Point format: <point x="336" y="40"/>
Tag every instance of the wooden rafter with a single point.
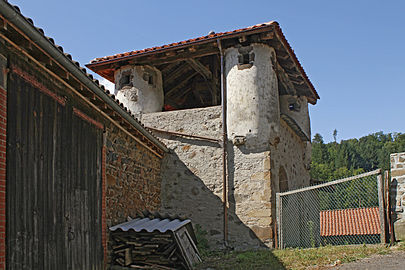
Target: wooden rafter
<point x="200" y="68"/>
<point x="284" y="80"/>
<point x="179" y="56"/>
<point x="168" y="67"/>
<point x="181" y="84"/>
<point x="176" y="73"/>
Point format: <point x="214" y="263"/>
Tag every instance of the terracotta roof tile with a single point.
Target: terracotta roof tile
<point x="263" y="27"/>
<point x="184" y="42"/>
<point x="359" y="221"/>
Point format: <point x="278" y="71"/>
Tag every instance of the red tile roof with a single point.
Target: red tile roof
<point x="359" y="221"/>
<point x="198" y="40"/>
<point x="258" y="28"/>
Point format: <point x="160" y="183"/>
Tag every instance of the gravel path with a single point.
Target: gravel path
<point x="392" y="261"/>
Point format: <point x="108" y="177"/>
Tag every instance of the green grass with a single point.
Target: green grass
<point x="292" y="258"/>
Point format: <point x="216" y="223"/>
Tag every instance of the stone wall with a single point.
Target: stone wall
<point x="299" y="112"/>
<point x="192" y="176"/>
<point x="398" y="193"/>
<point x="294" y="156"/>
<point x="192" y="171"/>
<point x="132" y="177"/>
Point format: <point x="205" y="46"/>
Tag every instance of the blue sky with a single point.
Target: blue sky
<point x="352" y="51"/>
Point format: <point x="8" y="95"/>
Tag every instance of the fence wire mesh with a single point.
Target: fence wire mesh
<point x="340" y="212"/>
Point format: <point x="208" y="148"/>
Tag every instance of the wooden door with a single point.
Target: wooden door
<point x="53" y="183"/>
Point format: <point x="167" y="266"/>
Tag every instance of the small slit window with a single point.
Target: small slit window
<point x="125" y="80"/>
<point x="149" y="78"/>
<point x="246" y="57"/>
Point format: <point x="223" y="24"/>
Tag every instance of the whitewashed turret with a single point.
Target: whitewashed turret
<point x="140" y="88"/>
<point x="252" y="95"/>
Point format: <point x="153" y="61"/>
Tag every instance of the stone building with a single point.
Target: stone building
<point x="233" y="109"/>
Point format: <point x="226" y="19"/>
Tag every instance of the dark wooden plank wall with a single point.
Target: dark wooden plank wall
<point x="53" y="183"/>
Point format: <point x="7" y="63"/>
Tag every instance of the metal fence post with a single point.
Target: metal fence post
<point x="278" y="221"/>
<point x="381" y="207"/>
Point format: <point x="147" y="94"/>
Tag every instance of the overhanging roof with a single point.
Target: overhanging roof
<point x="267" y="32"/>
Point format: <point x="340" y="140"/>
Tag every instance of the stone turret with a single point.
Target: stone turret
<point x="252" y="95"/>
<point x="140" y="88"/>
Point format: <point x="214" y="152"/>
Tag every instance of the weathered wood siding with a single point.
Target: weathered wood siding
<point x="53" y="182"/>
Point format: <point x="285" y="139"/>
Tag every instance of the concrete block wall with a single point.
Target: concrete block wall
<point x="3" y="134"/>
<point x="398" y="193"/>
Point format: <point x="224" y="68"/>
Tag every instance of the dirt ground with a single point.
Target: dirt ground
<point x="392" y="261"/>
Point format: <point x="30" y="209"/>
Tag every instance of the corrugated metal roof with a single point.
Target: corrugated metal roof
<point x="359" y="221"/>
<point x="84" y="71"/>
<point x="151" y="225"/>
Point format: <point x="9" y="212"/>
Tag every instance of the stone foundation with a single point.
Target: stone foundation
<point x="398" y="193"/>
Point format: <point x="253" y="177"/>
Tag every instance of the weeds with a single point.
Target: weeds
<point x="291" y="258"/>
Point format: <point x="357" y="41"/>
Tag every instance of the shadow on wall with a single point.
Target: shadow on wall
<point x="185" y="193"/>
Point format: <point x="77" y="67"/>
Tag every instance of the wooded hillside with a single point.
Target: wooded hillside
<point x="338" y="160"/>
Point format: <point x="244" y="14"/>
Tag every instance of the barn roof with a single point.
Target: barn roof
<point x="20" y="32"/>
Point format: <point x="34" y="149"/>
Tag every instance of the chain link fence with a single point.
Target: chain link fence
<point x="345" y="211"/>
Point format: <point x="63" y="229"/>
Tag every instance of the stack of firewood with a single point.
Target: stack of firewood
<point x="144" y="250"/>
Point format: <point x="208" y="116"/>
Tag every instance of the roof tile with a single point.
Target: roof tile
<point x="358" y="221"/>
<point x="203" y="39"/>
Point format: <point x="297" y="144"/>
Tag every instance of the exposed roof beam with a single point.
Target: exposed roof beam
<point x="176" y="73"/>
<point x="285" y="80"/>
<point x="181" y="84"/>
<point x="165" y="59"/>
<point x="200" y="68"/>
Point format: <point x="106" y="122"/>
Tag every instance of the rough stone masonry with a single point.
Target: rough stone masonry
<point x="265" y="152"/>
<point x="398" y="193"/>
<point x="192" y="176"/>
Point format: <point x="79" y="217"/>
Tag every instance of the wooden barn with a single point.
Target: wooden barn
<point x="73" y="161"/>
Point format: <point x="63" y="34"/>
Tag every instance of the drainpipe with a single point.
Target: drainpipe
<point x="224" y="143"/>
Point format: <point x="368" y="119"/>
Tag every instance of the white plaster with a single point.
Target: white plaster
<point x="252" y="97"/>
<point x="141" y="97"/>
<point x="301" y="117"/>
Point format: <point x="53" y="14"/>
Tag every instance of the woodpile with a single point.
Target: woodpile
<point x="144" y="250"/>
<point x="153" y="241"/>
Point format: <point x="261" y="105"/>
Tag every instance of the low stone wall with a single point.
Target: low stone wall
<point x="398" y="193"/>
